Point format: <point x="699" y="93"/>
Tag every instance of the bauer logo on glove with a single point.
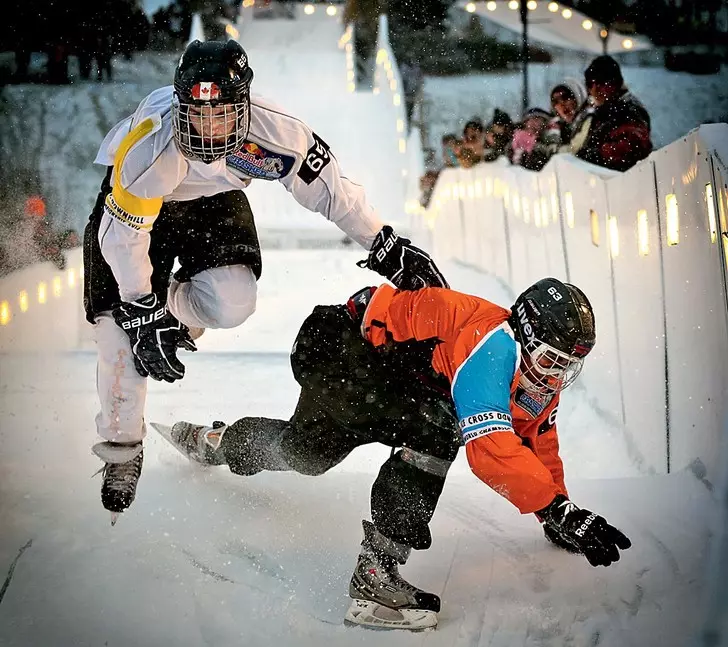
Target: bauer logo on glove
<point x="144" y="319"/>
<point x="154" y="336"/>
<point x="405" y="265"/>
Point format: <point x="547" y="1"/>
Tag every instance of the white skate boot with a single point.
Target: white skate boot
<point x="381" y="597"/>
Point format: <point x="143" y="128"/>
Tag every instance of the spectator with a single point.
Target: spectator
<point x="498" y="134"/>
<point x="567" y="100"/>
<point x="617" y="134"/>
<point x="451" y="147"/>
<point x="427" y="186"/>
<point x="528" y="148"/>
<point x="473" y="147"/>
<point x="30" y="238"/>
<point x="468" y="157"/>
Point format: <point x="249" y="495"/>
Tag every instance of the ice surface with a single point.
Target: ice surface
<point x="206" y="557"/>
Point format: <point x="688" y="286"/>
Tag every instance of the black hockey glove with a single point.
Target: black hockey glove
<point x="556" y="539"/>
<point x="155" y="335"/>
<point x="583" y="531"/>
<point x="407" y="266"/>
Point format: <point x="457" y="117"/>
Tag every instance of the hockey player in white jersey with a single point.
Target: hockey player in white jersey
<point x="177" y="169"/>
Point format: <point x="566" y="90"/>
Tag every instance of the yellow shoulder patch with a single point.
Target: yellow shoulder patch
<point x="138" y="213"/>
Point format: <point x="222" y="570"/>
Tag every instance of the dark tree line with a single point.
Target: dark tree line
<point x="92" y="30"/>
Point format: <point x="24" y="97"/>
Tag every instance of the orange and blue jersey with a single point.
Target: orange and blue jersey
<point x="509" y="435"/>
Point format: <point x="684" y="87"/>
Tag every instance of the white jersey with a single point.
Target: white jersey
<point x="150" y="170"/>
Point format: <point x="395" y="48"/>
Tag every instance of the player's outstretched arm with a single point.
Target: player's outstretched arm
<point x="407" y="266"/>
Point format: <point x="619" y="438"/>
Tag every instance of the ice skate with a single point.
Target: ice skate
<point x="382" y="599"/>
<point x="199" y="443"/>
<point x="123" y="466"/>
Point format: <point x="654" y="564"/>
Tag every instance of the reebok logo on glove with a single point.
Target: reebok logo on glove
<point x="144" y="320"/>
<point x="585" y="525"/>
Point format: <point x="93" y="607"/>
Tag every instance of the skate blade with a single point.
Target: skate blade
<point x="165" y="432"/>
<point x="364" y="613"/>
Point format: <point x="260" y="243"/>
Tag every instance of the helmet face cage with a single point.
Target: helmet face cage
<point x="546" y="370"/>
<point x="554" y="324"/>
<point x="207" y="132"/>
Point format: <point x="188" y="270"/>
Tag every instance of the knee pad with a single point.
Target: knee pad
<point x="221" y="297"/>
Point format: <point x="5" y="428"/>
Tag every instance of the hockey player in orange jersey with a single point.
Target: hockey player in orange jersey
<point x="428" y="371"/>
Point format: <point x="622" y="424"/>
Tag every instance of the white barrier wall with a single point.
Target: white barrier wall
<point x="649" y="249"/>
<point x="41" y="307"/>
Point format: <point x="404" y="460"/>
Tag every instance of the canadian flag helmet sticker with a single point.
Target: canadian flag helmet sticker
<point x="205" y="91"/>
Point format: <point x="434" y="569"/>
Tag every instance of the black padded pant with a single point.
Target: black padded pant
<point x="205" y="233"/>
<point x="350" y="397"/>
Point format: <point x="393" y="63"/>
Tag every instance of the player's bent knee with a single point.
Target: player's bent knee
<point x="226" y="314"/>
<point x="226" y="296"/>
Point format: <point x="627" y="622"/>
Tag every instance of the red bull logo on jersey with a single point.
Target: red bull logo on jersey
<point x="254" y="150"/>
<point x="205" y="91"/>
<point x="531" y="403"/>
<point x="254" y="161"/>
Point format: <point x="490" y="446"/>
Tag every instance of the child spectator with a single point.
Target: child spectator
<point x="451" y="146"/>
<point x="527" y="147"/>
<point x="473" y="147"/>
<point x="498" y="135"/>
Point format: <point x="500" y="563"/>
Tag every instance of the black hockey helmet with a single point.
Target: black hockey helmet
<point x="211" y="106"/>
<point x="554" y="323"/>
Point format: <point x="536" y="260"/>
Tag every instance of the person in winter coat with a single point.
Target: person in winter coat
<point x="617" y="134"/>
<point x="568" y="99"/>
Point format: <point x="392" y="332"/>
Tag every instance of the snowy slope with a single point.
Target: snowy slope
<point x="207" y="558"/>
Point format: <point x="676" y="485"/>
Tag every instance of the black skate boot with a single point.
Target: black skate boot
<point x="199" y="443"/>
<point x="381" y="597"/>
<point x="120" y="475"/>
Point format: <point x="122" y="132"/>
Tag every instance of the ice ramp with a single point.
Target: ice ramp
<point x="207" y="558"/>
<point x="304" y="64"/>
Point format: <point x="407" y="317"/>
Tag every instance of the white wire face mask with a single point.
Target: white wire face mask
<point x="207" y="132"/>
<point x="547" y="371"/>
